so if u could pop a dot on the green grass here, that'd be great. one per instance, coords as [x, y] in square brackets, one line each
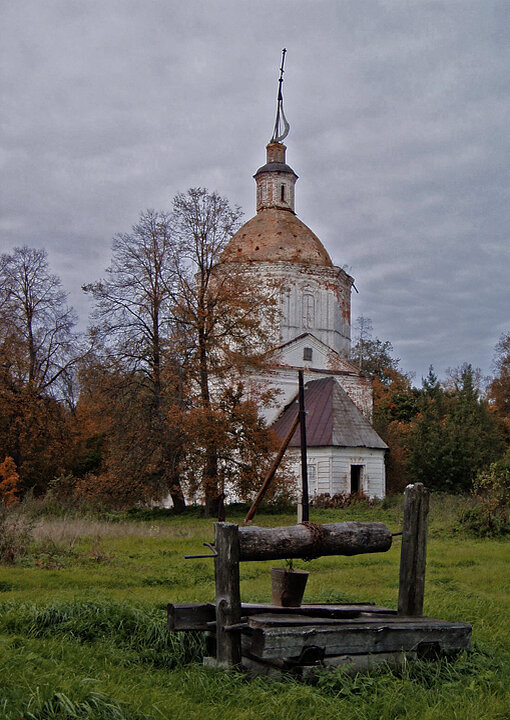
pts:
[82, 625]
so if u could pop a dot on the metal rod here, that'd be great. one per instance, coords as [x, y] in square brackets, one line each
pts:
[304, 462]
[210, 546]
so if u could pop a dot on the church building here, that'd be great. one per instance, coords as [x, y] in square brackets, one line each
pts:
[345, 454]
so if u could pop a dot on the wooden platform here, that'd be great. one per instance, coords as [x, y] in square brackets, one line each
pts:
[297, 640]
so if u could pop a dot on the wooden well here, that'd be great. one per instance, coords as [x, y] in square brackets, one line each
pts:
[271, 639]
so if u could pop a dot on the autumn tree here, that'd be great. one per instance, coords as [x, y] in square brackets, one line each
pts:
[223, 315]
[499, 387]
[243, 443]
[136, 365]
[39, 351]
[9, 480]
[373, 356]
[174, 328]
[394, 398]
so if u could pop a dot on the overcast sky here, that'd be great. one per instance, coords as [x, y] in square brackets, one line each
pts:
[399, 115]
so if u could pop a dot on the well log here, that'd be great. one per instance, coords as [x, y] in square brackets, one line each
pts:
[310, 540]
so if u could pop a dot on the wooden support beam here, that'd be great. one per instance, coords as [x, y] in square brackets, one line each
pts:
[228, 597]
[189, 616]
[270, 475]
[303, 541]
[414, 551]
[202, 616]
[269, 641]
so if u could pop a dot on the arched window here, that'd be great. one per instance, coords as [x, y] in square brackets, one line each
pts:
[282, 193]
[308, 310]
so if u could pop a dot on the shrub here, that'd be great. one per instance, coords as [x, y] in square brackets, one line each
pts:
[340, 500]
[15, 536]
[490, 517]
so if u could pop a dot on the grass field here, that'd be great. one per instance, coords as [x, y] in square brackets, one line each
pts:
[82, 625]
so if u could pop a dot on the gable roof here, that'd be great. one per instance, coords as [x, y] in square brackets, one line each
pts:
[344, 365]
[332, 419]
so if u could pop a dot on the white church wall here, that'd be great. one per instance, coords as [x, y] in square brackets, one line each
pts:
[373, 481]
[331, 470]
[313, 299]
[285, 383]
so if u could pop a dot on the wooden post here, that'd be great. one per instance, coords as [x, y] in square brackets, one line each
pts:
[414, 551]
[228, 594]
[303, 511]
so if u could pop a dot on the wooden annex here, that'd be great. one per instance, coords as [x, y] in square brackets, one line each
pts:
[270, 639]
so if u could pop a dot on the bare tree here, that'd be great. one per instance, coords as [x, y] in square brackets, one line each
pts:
[132, 319]
[38, 351]
[223, 312]
[36, 324]
[132, 331]
[177, 323]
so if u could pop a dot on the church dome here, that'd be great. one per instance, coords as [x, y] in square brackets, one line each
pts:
[276, 235]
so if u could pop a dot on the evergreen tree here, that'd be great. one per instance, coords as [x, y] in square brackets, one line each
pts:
[454, 435]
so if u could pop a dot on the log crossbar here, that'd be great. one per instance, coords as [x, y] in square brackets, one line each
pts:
[311, 541]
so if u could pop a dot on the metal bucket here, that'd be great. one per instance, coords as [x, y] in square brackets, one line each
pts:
[288, 586]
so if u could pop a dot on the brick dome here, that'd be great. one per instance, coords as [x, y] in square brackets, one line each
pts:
[276, 235]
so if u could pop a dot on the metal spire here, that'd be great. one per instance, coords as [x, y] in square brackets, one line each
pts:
[281, 126]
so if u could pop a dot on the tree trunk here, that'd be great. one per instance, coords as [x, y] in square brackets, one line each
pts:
[177, 498]
[211, 483]
[210, 476]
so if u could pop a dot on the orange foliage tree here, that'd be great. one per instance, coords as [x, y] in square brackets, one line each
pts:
[223, 318]
[175, 329]
[131, 379]
[9, 480]
[499, 387]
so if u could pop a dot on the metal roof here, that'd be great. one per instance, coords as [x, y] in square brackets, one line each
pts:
[275, 167]
[332, 419]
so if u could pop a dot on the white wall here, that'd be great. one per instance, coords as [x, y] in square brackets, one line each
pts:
[330, 288]
[333, 469]
[285, 381]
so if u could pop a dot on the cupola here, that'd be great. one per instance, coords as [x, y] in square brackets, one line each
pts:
[275, 180]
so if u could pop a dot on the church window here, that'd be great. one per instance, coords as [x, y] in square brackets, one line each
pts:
[308, 310]
[307, 354]
[282, 193]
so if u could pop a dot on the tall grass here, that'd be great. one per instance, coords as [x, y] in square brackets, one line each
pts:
[83, 635]
[138, 633]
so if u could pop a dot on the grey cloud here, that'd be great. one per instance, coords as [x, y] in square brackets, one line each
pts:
[398, 112]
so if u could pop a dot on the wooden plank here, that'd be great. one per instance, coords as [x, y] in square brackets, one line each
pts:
[329, 610]
[228, 598]
[189, 616]
[302, 541]
[288, 642]
[198, 616]
[414, 550]
[368, 662]
[264, 620]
